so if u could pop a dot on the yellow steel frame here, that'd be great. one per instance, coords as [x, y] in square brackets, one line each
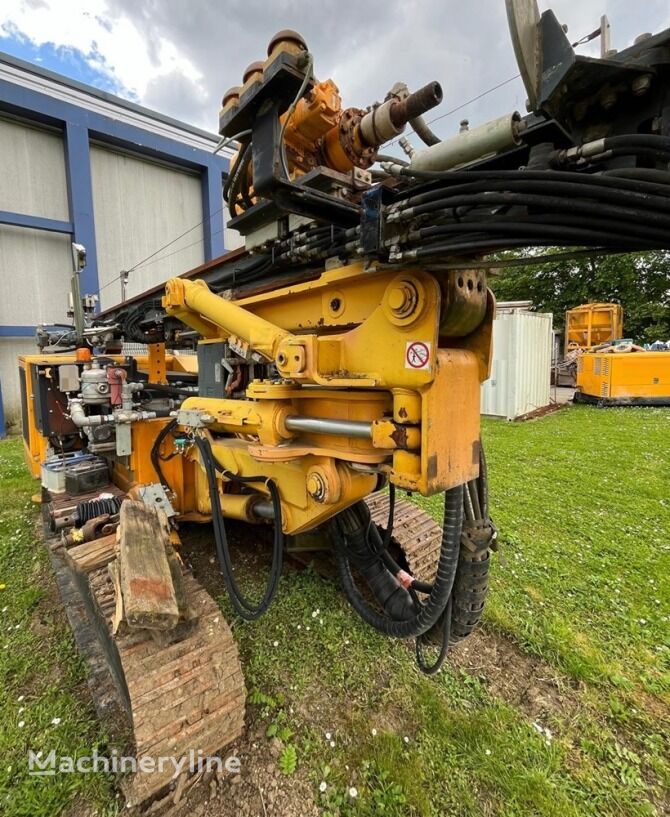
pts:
[341, 343]
[357, 343]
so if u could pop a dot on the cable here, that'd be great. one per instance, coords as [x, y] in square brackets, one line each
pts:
[169, 255]
[248, 610]
[173, 241]
[176, 252]
[224, 142]
[155, 452]
[445, 631]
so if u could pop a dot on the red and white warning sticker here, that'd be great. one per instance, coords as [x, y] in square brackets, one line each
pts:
[417, 355]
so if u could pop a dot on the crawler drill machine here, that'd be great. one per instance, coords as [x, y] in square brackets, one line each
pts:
[339, 362]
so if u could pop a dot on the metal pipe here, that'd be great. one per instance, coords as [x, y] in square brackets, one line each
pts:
[82, 420]
[471, 145]
[416, 104]
[341, 428]
[389, 119]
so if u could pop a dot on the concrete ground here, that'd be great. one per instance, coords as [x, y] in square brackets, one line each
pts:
[561, 394]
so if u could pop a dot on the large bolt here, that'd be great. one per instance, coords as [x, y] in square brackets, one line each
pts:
[398, 298]
[316, 487]
[402, 299]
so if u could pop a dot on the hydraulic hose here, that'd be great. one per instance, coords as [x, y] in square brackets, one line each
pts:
[246, 609]
[423, 131]
[467, 176]
[432, 669]
[155, 451]
[571, 189]
[507, 199]
[365, 548]
[429, 611]
[565, 228]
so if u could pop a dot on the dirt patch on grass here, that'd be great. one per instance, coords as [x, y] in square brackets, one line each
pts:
[526, 683]
[260, 788]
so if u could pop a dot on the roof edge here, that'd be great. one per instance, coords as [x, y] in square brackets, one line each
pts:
[60, 79]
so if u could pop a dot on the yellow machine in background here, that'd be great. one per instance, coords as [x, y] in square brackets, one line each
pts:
[624, 376]
[609, 371]
[592, 325]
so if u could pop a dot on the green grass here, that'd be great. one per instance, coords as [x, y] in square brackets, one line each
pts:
[581, 500]
[43, 705]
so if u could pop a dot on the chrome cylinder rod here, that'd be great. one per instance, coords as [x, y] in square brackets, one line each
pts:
[340, 428]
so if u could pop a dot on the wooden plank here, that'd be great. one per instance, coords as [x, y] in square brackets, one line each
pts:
[188, 618]
[118, 615]
[149, 598]
[94, 554]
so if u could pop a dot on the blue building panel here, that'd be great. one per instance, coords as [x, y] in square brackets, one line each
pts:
[80, 199]
[17, 331]
[212, 211]
[79, 125]
[51, 225]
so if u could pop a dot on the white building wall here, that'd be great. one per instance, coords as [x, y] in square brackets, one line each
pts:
[521, 365]
[10, 349]
[32, 171]
[139, 206]
[34, 265]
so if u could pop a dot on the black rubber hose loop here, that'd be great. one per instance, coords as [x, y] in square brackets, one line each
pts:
[435, 605]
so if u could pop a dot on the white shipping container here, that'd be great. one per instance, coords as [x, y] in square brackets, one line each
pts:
[521, 366]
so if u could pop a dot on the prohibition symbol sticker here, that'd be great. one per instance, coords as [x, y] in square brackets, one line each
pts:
[417, 355]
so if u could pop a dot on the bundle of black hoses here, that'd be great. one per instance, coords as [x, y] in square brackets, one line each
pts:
[247, 609]
[353, 527]
[456, 599]
[479, 211]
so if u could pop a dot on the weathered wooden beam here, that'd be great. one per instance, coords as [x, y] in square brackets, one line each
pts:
[149, 598]
[92, 555]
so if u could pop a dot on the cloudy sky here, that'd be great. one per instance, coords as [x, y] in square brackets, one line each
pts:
[178, 56]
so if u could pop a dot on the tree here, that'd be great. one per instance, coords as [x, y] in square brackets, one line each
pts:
[639, 282]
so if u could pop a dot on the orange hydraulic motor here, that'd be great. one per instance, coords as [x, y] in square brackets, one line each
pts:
[317, 113]
[319, 132]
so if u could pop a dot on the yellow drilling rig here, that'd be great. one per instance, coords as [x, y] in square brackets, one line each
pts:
[339, 359]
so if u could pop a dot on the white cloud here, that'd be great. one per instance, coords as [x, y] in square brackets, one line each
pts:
[111, 44]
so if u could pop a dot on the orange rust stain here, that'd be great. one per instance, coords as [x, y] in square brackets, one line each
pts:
[150, 587]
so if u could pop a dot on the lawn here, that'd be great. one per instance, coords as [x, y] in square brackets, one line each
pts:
[559, 706]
